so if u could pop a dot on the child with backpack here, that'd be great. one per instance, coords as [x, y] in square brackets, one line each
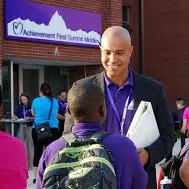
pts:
[89, 157]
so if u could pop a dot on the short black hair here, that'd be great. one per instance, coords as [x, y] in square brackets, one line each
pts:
[61, 91]
[84, 98]
[180, 99]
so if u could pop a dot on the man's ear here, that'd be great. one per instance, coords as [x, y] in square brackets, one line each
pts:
[131, 50]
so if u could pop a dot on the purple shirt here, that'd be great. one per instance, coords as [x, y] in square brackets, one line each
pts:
[129, 171]
[119, 95]
[62, 107]
[22, 112]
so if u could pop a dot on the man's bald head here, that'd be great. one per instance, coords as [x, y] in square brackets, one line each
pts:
[116, 50]
[116, 31]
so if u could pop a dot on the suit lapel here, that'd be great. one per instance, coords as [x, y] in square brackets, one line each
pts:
[100, 82]
[138, 90]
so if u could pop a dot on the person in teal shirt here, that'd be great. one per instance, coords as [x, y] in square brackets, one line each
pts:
[39, 106]
[40, 109]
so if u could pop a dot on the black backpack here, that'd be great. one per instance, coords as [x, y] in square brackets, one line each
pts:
[83, 164]
[171, 169]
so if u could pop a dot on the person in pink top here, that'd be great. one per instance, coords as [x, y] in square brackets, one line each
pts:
[185, 125]
[13, 162]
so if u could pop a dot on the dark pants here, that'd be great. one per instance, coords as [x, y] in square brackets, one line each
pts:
[182, 142]
[40, 145]
[168, 157]
[151, 179]
[61, 127]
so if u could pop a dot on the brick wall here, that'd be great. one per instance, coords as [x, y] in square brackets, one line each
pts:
[79, 72]
[133, 22]
[111, 11]
[165, 40]
[27, 49]
[167, 45]
[1, 48]
[1, 32]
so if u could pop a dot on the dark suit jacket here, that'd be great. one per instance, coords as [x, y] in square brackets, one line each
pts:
[150, 90]
[1, 98]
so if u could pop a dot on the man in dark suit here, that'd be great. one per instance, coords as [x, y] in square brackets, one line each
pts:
[124, 90]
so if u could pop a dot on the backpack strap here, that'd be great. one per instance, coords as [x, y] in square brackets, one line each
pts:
[69, 137]
[183, 153]
[99, 136]
[73, 140]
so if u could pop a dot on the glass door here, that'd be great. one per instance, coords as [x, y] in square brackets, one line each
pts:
[30, 79]
[57, 77]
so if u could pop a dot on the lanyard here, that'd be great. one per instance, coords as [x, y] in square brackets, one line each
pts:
[24, 111]
[121, 121]
[62, 104]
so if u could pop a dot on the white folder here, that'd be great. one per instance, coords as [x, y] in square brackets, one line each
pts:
[143, 130]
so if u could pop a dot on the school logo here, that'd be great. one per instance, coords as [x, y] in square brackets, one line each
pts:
[54, 25]
[17, 28]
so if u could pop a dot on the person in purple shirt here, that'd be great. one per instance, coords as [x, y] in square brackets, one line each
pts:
[181, 107]
[23, 111]
[124, 89]
[86, 106]
[62, 102]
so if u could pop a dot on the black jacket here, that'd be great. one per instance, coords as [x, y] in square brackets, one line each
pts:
[146, 89]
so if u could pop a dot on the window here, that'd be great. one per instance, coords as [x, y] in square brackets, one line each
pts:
[125, 17]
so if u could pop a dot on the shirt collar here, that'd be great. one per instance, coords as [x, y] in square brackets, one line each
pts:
[84, 130]
[128, 82]
[64, 101]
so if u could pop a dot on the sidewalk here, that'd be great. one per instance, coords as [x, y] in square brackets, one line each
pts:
[30, 179]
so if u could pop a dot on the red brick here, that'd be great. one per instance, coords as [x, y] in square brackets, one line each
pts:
[111, 15]
[166, 45]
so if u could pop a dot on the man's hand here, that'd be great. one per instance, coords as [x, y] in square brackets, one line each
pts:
[143, 155]
[29, 118]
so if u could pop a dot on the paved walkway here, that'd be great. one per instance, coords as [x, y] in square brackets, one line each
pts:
[30, 179]
[176, 150]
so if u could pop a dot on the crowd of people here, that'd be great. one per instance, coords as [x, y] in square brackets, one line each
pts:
[103, 102]
[38, 113]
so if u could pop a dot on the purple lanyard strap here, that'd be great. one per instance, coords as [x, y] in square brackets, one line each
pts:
[121, 121]
[61, 104]
[24, 111]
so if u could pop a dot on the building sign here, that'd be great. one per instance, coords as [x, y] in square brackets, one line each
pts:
[27, 20]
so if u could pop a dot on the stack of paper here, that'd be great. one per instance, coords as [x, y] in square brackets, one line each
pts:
[143, 130]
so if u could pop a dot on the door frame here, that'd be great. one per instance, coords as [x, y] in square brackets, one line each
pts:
[32, 67]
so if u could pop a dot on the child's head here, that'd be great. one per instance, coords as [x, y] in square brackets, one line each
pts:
[86, 102]
[180, 103]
